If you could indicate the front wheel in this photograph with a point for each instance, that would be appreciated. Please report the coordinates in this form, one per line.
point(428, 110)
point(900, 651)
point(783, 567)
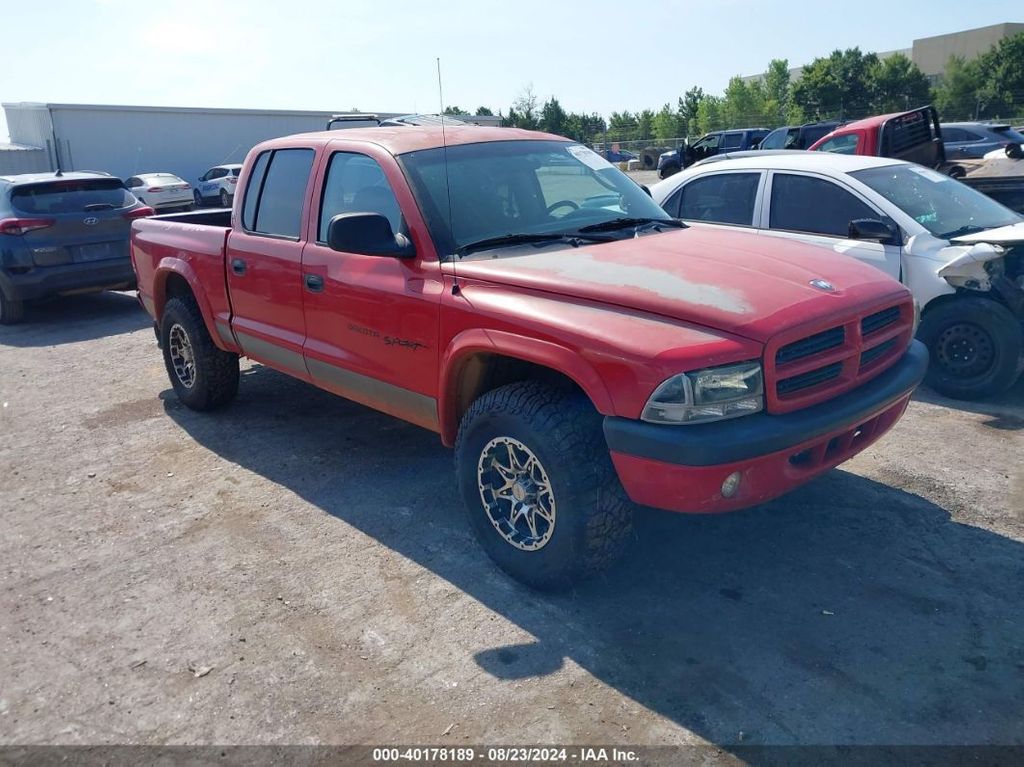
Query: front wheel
point(203, 376)
point(197, 199)
point(540, 491)
point(975, 345)
point(225, 200)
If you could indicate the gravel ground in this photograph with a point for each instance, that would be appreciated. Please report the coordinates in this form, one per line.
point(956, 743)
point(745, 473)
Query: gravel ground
point(295, 569)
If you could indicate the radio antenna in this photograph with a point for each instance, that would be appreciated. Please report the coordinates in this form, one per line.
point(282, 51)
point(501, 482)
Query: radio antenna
point(447, 183)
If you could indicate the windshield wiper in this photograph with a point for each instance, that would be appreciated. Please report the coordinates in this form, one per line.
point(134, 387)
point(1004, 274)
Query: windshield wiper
point(526, 238)
point(963, 230)
point(622, 223)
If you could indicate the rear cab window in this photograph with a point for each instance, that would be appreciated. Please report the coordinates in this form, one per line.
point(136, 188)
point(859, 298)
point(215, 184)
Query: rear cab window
point(72, 196)
point(276, 192)
point(845, 144)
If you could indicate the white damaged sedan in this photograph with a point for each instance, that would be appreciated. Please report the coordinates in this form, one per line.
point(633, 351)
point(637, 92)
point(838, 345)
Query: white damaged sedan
point(960, 252)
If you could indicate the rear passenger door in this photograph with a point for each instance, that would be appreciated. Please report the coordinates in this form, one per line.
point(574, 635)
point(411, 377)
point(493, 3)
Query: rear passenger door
point(818, 210)
point(264, 260)
point(730, 198)
point(372, 321)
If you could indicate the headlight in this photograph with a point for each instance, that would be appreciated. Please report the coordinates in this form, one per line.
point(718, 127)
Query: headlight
point(712, 394)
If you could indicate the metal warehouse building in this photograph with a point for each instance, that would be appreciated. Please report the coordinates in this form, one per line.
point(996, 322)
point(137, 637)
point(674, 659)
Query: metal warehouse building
point(126, 140)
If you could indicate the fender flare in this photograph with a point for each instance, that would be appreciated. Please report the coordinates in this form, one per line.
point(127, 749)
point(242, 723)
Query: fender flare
point(545, 353)
point(172, 265)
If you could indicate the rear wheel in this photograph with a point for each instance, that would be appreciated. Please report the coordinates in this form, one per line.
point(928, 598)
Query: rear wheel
point(540, 491)
point(975, 346)
point(11, 311)
point(203, 376)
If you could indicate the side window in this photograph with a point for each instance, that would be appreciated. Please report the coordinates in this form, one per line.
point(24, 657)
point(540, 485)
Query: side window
point(954, 134)
point(732, 141)
point(356, 183)
point(814, 205)
point(846, 144)
point(724, 198)
point(671, 205)
point(279, 208)
point(132, 182)
point(775, 139)
point(252, 191)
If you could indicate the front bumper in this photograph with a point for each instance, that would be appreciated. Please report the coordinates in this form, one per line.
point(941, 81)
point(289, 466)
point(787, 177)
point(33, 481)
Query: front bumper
point(44, 281)
point(682, 468)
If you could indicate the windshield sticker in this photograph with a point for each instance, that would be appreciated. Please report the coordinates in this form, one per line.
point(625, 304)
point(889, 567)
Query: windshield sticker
point(928, 173)
point(588, 157)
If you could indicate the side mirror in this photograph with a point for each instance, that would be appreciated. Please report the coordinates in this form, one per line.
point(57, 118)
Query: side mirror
point(872, 229)
point(369, 234)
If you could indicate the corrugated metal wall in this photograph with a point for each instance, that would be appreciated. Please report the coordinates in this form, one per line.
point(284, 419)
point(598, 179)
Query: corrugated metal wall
point(22, 160)
point(186, 142)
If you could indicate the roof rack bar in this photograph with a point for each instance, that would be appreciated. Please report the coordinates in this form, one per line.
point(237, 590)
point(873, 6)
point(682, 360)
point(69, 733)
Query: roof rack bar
point(353, 117)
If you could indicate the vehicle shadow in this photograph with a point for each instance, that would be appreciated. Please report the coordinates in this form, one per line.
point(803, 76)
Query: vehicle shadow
point(71, 319)
point(849, 612)
point(1005, 411)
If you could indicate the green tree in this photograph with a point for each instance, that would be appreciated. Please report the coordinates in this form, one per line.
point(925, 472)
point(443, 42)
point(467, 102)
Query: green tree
point(897, 84)
point(1002, 77)
point(622, 126)
point(956, 98)
point(668, 124)
point(525, 109)
point(709, 115)
point(776, 88)
point(453, 111)
point(839, 85)
point(483, 112)
point(742, 106)
point(689, 103)
point(644, 125)
point(553, 118)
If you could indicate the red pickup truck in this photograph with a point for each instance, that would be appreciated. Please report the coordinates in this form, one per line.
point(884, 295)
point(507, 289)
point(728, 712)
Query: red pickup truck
point(518, 295)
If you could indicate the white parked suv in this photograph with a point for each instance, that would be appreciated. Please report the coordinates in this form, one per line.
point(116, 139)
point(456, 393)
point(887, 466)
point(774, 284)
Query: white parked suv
point(161, 191)
point(217, 185)
point(960, 252)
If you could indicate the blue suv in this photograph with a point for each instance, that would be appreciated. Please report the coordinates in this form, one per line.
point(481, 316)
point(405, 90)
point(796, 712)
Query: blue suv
point(63, 233)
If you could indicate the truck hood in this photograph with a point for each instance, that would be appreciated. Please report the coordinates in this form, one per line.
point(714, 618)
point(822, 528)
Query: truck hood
point(730, 281)
point(1004, 235)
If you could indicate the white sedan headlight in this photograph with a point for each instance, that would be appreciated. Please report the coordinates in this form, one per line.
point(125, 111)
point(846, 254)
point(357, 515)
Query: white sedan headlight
point(712, 394)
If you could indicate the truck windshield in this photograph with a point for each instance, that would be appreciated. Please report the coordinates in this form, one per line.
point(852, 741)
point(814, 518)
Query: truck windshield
point(940, 204)
point(500, 189)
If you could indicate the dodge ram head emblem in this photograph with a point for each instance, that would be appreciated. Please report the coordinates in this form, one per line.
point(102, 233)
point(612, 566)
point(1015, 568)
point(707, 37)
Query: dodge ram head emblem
point(825, 285)
point(91, 221)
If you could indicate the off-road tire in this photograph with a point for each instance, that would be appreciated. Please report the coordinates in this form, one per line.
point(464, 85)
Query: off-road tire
point(993, 326)
point(593, 516)
point(216, 372)
point(10, 311)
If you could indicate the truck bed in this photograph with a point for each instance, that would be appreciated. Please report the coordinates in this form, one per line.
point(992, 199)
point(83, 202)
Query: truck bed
point(190, 246)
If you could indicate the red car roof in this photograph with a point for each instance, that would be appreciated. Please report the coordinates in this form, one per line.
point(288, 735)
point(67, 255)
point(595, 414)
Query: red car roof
point(399, 140)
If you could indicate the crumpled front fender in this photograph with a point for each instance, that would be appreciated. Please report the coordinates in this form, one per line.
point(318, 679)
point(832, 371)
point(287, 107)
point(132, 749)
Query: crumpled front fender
point(967, 270)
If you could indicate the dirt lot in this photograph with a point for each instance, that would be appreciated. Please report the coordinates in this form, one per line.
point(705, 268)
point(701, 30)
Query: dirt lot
point(310, 555)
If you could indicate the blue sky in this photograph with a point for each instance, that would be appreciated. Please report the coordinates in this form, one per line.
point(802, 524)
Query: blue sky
point(316, 54)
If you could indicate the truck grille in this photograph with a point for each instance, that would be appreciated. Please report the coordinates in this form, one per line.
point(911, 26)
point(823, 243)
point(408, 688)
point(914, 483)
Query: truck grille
point(810, 365)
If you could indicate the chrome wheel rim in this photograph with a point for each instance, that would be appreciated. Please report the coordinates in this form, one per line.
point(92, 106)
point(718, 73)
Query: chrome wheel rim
point(516, 493)
point(182, 357)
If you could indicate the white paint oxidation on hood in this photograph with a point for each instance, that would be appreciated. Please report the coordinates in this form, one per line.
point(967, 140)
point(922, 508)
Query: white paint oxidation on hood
point(582, 267)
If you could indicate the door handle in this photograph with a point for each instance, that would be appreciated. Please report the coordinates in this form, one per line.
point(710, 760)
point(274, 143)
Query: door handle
point(314, 282)
point(238, 266)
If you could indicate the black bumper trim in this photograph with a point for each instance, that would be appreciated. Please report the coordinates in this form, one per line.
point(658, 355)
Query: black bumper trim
point(711, 444)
